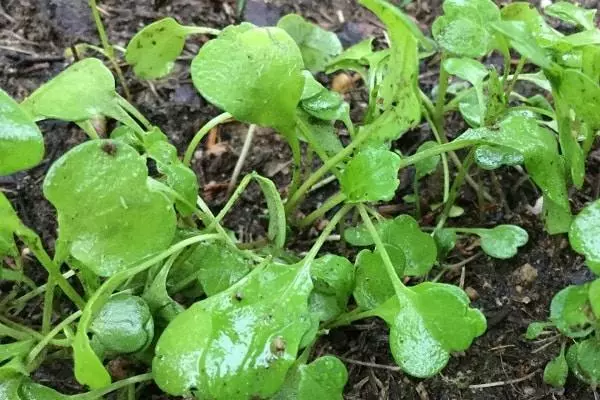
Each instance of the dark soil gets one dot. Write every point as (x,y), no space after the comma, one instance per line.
(33,37)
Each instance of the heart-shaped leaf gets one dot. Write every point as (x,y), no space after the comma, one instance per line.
(317,45)
(21,142)
(502,241)
(108,216)
(253,73)
(371,175)
(570,311)
(584,234)
(153,50)
(427,323)
(241,342)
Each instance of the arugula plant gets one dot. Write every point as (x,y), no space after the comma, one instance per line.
(140,246)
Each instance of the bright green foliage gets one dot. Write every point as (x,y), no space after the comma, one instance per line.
(594,297)
(373,286)
(570,311)
(324,133)
(543,163)
(15,349)
(354,58)
(535,329)
(124,324)
(21,142)
(153,50)
(582,94)
(161,305)
(317,45)
(108,216)
(32,391)
(218,267)
(7,228)
(253,73)
(474,72)
(84,90)
(522,40)
(428,322)
(584,234)
(445,240)
(323,379)
(572,13)
(584,358)
(371,175)
(464,29)
(526,13)
(502,241)
(175,173)
(398,95)
(241,342)
(429,165)
(324,104)
(333,281)
(556,371)
(494,157)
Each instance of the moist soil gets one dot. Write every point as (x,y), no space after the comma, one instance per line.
(500,365)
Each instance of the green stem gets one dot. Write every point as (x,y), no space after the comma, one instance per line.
(458,181)
(99,393)
(434,151)
(49,336)
(89,129)
(189,152)
(312,254)
(22,332)
(330,203)
(515,76)
(201,30)
(48,306)
(38,291)
(537,110)
(315,143)
(34,243)
(445,166)
(127,106)
(417,199)
(441,96)
(348,318)
(387,262)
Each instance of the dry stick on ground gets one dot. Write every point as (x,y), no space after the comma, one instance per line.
(503,383)
(370,365)
(241,160)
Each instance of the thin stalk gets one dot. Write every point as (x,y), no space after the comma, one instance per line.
(458,181)
(201,30)
(536,110)
(445,166)
(99,393)
(49,336)
(240,162)
(89,129)
(348,318)
(109,50)
(312,254)
(38,291)
(189,152)
(387,262)
(515,76)
(314,143)
(127,106)
(48,307)
(441,96)
(417,198)
(22,332)
(330,203)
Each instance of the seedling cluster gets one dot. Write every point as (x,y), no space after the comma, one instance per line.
(130,240)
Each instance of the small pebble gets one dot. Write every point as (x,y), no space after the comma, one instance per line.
(472,293)
(526,275)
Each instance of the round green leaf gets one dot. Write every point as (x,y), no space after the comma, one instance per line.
(373,286)
(241,342)
(502,241)
(371,175)
(124,324)
(427,323)
(253,73)
(21,142)
(570,311)
(108,216)
(153,50)
(585,233)
(318,46)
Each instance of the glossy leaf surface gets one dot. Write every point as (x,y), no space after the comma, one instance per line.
(502,241)
(584,234)
(333,281)
(570,311)
(373,286)
(241,342)
(267,66)
(494,157)
(21,142)
(317,45)
(108,216)
(322,379)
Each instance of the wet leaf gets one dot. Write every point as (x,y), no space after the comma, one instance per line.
(583,235)
(588,360)
(522,40)
(354,58)
(594,297)
(474,72)
(317,45)
(371,175)
(83,91)
(161,305)
(542,161)
(324,104)
(427,323)
(241,342)
(572,13)
(494,157)
(502,241)
(253,73)
(582,94)
(108,216)
(323,379)
(533,21)
(333,280)
(429,165)
(21,142)
(175,173)
(570,311)
(153,50)
(373,286)
(556,371)
(124,324)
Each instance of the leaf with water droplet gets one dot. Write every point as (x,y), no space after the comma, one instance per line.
(21,142)
(317,45)
(373,286)
(570,311)
(108,216)
(584,234)
(428,322)
(494,157)
(240,342)
(153,50)
(333,280)
(253,73)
